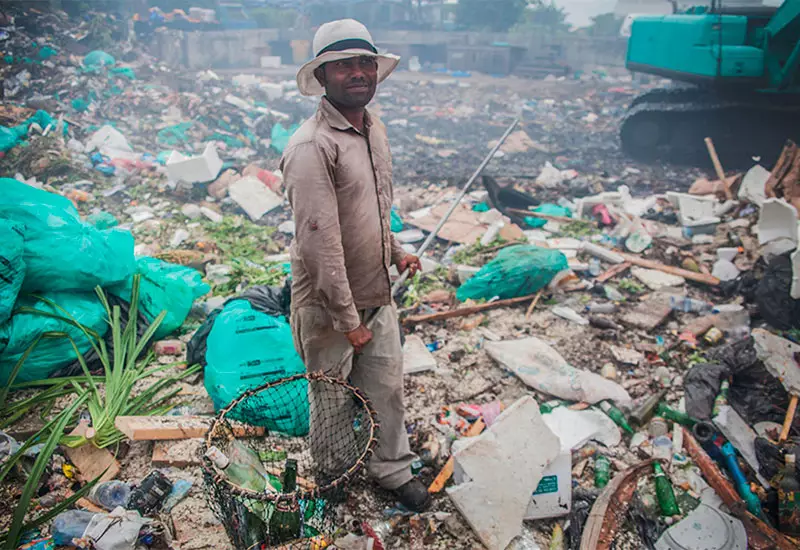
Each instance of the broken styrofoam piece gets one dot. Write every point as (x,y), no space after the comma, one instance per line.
(705,528)
(541,367)
(695,211)
(615,199)
(741,436)
(500,469)
(416,356)
(111,143)
(778,356)
(576,428)
(777,220)
(550,176)
(725,270)
(196,169)
(795,290)
(753,187)
(255,198)
(727,253)
(553,496)
(656,280)
(410,236)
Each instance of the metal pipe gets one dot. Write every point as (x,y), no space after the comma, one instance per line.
(403,276)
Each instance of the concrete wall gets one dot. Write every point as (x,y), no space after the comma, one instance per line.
(244,48)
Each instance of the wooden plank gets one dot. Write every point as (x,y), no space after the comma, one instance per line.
(463,311)
(177,454)
(154,428)
(91,461)
(680,272)
(613,272)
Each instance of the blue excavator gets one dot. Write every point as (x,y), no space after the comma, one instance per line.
(735,79)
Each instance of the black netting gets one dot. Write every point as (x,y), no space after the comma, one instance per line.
(245,487)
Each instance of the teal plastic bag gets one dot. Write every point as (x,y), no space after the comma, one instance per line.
(10,137)
(515,271)
(61,251)
(163,286)
(550,210)
(123,72)
(397,222)
(50,354)
(246,349)
(103,220)
(280,136)
(99,58)
(12,266)
(173,135)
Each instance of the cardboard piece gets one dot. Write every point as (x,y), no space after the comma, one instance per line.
(463,226)
(499,470)
(650,313)
(90,460)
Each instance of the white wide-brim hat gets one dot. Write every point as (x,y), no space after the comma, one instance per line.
(339,40)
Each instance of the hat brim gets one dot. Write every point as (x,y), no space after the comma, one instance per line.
(308,84)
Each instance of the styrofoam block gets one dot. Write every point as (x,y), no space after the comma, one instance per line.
(777,220)
(197,169)
(255,198)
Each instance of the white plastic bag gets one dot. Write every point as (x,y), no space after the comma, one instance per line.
(541,367)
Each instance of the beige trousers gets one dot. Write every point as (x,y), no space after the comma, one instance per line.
(377,371)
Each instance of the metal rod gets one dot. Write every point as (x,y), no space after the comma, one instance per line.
(403,276)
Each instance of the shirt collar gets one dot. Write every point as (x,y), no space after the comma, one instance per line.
(336,120)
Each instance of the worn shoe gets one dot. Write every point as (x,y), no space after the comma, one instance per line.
(413,495)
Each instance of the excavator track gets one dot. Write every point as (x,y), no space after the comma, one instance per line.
(670,124)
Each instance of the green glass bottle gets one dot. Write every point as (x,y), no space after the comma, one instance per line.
(602,471)
(284,525)
(722,397)
(616,415)
(789,499)
(664,493)
(675,416)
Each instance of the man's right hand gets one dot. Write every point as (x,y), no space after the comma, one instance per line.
(359,338)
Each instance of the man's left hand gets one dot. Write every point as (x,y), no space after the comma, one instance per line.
(411,263)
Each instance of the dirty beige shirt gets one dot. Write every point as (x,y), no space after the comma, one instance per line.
(339,183)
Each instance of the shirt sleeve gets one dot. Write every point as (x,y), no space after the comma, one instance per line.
(308,173)
(397,250)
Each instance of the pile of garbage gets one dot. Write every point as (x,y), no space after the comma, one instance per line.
(588,334)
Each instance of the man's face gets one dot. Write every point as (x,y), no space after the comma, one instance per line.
(350,82)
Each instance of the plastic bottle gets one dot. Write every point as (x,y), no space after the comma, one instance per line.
(602,471)
(569,314)
(687,304)
(70,525)
(613,294)
(789,499)
(664,492)
(110,494)
(616,415)
(606,308)
(595,268)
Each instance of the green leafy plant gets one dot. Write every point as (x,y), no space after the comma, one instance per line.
(124,365)
(631,286)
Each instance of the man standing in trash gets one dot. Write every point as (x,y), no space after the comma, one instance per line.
(338,173)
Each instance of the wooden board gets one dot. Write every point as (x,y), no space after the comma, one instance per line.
(648,314)
(154,428)
(90,460)
(177,454)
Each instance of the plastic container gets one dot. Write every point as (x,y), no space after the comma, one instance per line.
(110,494)
(70,525)
(601,308)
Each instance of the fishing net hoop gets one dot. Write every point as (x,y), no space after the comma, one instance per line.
(371,423)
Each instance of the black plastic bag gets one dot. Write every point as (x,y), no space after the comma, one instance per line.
(775,304)
(701,385)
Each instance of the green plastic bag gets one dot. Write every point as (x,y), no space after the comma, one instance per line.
(280,136)
(103,220)
(163,286)
(10,137)
(550,210)
(248,348)
(50,354)
(397,222)
(515,271)
(12,266)
(61,251)
(173,135)
(99,58)
(123,72)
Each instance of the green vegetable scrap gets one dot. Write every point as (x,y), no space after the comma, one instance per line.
(631,286)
